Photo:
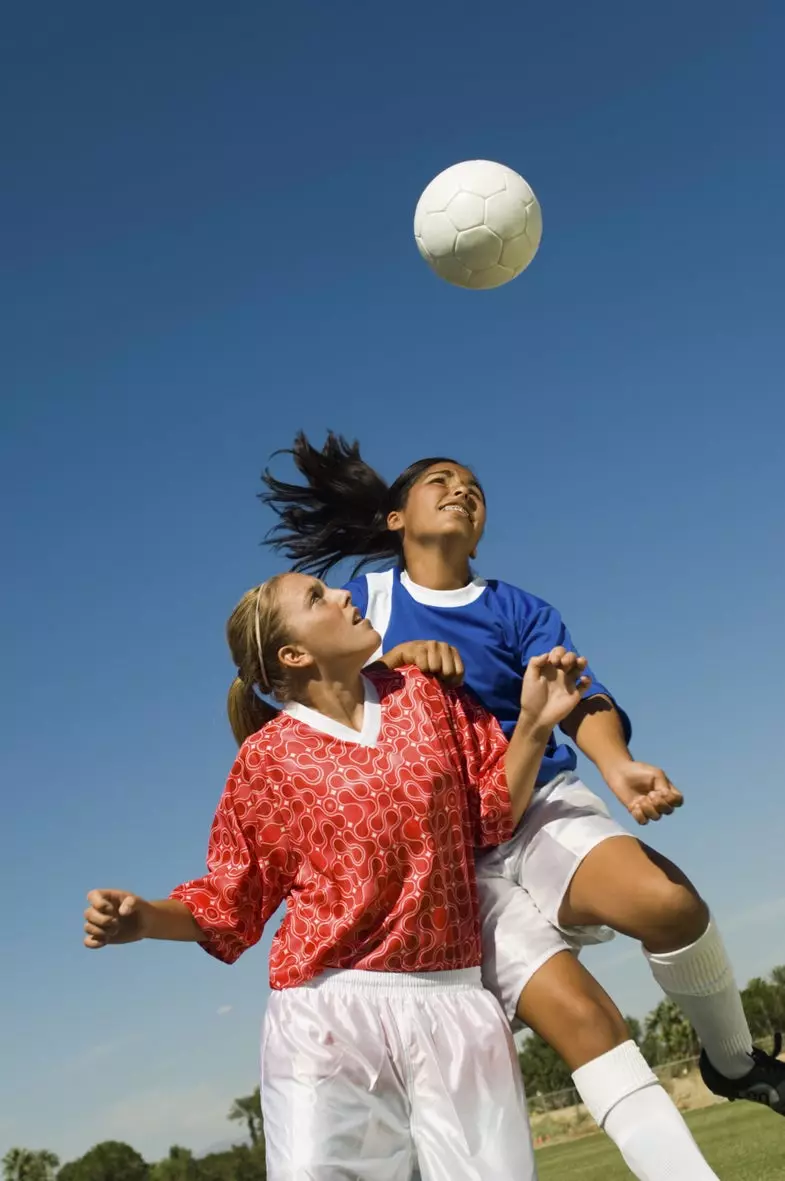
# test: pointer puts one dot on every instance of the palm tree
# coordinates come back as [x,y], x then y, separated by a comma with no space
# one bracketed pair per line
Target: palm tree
[670,1032]
[48,1164]
[248,1110]
[14,1164]
[22,1164]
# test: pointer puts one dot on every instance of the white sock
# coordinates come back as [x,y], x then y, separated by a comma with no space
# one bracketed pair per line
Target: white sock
[622,1093]
[699,978]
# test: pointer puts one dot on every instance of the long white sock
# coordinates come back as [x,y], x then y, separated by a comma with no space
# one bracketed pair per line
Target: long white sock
[623,1094]
[700,979]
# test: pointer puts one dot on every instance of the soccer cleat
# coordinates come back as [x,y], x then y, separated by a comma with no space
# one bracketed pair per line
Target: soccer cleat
[765,1083]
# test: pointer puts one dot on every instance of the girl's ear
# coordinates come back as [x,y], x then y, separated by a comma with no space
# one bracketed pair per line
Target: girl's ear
[293,656]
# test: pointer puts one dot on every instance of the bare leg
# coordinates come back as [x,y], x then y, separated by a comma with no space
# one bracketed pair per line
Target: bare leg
[573,1013]
[566,1006]
[625,885]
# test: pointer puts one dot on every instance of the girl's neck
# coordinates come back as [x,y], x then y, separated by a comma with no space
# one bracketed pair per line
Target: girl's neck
[436,570]
[338,697]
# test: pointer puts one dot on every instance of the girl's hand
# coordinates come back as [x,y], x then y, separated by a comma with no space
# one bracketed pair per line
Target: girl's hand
[430,656]
[114,916]
[552,686]
[646,792]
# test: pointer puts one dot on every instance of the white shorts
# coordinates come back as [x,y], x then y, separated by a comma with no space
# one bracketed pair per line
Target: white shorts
[522,884]
[366,1074]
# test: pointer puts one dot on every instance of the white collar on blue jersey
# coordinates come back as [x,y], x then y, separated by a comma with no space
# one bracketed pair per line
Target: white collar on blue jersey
[444,598]
[372,719]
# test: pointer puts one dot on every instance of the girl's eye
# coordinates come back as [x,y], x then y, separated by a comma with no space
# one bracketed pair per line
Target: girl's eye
[316,594]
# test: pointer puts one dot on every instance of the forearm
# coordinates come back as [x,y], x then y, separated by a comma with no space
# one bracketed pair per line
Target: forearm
[166,918]
[522,763]
[597,730]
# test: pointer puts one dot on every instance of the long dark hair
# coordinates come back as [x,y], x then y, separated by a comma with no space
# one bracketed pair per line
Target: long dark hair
[341,510]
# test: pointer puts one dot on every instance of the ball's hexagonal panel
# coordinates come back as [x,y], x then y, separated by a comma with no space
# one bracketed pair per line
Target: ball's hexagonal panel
[482,177]
[466,210]
[506,215]
[517,187]
[451,269]
[478,248]
[437,234]
[517,253]
[534,223]
[491,277]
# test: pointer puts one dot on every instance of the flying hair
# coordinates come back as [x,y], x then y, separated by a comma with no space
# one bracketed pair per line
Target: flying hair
[340,511]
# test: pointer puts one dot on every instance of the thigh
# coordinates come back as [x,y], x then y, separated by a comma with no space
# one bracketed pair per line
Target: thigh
[335,1106]
[469,1117]
[517,940]
[637,891]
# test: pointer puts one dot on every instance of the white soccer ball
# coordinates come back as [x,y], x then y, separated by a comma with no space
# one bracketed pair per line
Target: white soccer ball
[478,224]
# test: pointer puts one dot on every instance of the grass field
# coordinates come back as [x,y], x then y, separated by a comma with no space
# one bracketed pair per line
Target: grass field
[740,1142]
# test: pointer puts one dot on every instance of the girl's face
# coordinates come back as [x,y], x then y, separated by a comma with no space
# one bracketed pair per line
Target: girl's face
[324,629]
[446,501]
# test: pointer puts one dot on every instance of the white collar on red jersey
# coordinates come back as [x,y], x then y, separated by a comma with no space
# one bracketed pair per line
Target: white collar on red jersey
[444,598]
[372,719]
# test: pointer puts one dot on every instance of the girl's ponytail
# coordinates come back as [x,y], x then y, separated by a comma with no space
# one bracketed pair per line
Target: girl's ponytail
[340,512]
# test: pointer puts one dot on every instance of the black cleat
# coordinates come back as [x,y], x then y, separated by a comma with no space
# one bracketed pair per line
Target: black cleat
[765,1083]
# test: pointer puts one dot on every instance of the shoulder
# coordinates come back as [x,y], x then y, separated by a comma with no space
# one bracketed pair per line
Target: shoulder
[515,599]
[365,588]
[403,683]
[260,751]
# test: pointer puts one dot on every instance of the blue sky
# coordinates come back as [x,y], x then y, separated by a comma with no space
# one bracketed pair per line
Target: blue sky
[206,241]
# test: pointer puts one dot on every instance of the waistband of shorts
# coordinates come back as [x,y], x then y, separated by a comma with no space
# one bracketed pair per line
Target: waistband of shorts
[395,983]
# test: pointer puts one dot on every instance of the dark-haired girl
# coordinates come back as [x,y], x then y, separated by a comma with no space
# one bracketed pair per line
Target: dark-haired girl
[571,875]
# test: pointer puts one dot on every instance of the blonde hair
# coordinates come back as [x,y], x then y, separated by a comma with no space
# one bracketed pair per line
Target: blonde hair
[255,632]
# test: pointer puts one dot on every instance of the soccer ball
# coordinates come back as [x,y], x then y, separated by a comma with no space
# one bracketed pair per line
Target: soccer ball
[478,224]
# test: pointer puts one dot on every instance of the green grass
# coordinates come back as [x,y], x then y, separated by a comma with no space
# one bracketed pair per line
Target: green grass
[740,1142]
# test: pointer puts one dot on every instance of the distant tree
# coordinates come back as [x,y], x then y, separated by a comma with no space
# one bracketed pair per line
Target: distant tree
[179,1165]
[542,1068]
[635,1028]
[25,1164]
[109,1161]
[241,1164]
[764,1005]
[248,1111]
[777,976]
[668,1035]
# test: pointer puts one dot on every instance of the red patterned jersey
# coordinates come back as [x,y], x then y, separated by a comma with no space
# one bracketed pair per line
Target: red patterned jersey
[367,836]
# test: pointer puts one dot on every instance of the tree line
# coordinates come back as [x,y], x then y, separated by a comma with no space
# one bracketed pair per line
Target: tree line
[665,1036]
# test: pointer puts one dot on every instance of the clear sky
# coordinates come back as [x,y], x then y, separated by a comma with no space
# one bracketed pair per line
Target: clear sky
[205,214]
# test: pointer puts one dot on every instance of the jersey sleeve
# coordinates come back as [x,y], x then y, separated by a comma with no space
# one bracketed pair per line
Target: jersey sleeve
[481,748]
[248,866]
[545,629]
[358,589]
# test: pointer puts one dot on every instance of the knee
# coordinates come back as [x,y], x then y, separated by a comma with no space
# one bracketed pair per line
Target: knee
[676,916]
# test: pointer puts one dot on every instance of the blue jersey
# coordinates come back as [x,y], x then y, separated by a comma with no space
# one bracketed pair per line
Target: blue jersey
[496,628]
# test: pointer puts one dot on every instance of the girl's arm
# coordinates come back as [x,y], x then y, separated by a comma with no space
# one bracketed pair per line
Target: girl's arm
[116,916]
[645,791]
[553,686]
